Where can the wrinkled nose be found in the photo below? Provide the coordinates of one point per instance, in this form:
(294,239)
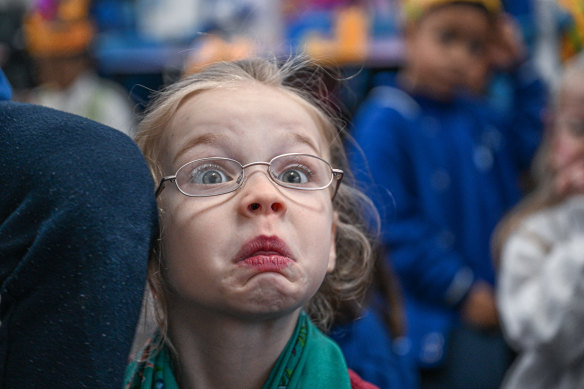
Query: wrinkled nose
(260,195)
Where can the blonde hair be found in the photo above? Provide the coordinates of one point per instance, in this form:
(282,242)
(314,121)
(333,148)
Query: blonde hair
(302,79)
(543,194)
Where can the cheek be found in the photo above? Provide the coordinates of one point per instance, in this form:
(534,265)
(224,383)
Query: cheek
(190,246)
(177,243)
(317,235)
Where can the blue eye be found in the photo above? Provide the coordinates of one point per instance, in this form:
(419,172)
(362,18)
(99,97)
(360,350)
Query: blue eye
(209,175)
(296,175)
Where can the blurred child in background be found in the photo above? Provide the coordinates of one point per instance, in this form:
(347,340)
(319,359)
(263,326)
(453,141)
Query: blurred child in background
(58,35)
(541,249)
(443,167)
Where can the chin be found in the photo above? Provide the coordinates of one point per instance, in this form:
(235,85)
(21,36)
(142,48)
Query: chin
(273,301)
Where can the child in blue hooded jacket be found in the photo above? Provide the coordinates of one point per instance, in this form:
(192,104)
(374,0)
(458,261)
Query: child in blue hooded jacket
(443,168)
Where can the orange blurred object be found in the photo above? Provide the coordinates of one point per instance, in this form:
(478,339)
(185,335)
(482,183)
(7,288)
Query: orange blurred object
(350,41)
(572,40)
(70,32)
(216,49)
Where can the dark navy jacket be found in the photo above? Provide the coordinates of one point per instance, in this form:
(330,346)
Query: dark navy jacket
(77,218)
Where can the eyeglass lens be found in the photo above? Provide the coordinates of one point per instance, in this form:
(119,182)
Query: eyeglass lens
(211,176)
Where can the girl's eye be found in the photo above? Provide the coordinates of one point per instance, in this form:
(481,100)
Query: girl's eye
(209,175)
(446,37)
(295,175)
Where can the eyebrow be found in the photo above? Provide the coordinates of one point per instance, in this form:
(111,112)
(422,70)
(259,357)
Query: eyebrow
(210,139)
(306,140)
(205,139)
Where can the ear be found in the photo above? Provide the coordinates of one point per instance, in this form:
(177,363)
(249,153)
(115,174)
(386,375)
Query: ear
(333,250)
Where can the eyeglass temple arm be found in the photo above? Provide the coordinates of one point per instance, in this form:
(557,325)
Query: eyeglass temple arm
(338,175)
(161,184)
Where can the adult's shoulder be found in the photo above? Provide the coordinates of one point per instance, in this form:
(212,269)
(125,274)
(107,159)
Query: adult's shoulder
(41,147)
(52,129)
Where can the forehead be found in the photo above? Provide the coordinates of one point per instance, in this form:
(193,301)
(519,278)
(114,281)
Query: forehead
(465,17)
(245,115)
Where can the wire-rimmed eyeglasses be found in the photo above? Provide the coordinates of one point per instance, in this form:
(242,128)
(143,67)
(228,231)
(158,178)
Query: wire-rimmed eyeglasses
(216,175)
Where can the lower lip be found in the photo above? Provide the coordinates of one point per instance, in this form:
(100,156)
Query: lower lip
(267,263)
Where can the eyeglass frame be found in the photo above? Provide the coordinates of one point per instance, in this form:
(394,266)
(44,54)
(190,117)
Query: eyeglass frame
(337,174)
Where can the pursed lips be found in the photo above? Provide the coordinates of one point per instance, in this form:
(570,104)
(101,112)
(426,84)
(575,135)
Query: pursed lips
(265,253)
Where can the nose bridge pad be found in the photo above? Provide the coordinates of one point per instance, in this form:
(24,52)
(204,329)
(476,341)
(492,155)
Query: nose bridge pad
(264,172)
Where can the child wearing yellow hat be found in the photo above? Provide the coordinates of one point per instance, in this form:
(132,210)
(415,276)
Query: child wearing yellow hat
(452,167)
(414,9)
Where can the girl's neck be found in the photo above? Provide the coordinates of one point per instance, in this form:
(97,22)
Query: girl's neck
(225,352)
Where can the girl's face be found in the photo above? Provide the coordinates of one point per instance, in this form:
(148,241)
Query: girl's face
(263,250)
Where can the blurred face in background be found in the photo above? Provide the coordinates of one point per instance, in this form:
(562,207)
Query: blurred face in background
(568,132)
(59,72)
(446,48)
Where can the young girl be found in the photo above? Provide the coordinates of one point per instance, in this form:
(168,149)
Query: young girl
(541,247)
(259,238)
